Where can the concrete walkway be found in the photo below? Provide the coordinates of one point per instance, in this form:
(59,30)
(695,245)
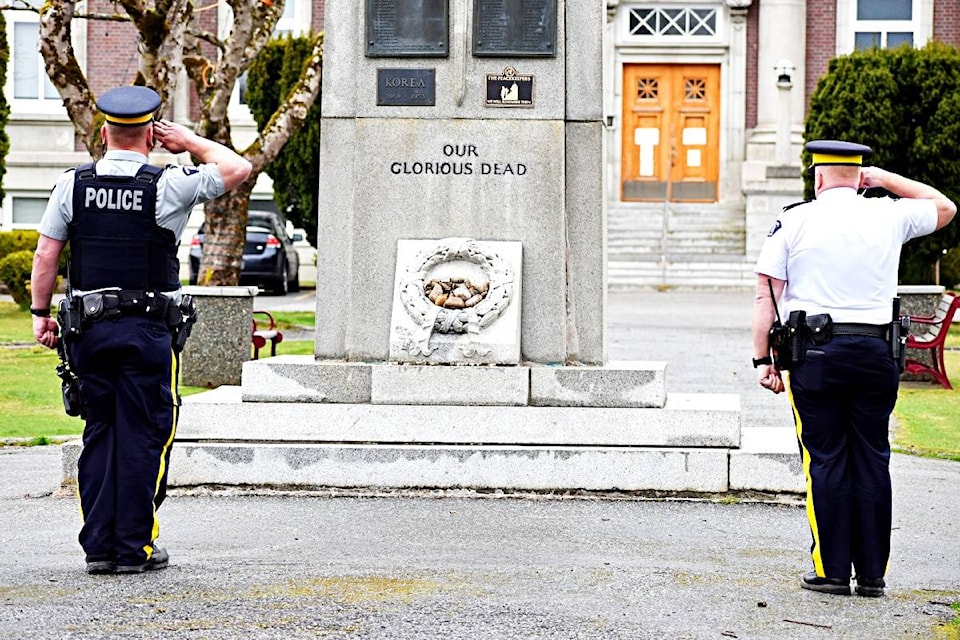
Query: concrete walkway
(458,565)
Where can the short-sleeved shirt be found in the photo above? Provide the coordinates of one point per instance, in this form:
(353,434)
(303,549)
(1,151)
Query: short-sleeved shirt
(839,254)
(179,190)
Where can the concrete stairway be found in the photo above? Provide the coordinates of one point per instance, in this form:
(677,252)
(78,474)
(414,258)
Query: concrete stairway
(679,245)
(297,422)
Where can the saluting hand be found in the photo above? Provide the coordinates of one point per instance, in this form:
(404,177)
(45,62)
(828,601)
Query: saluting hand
(172,136)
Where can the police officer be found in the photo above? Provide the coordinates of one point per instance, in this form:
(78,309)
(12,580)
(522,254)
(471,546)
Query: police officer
(124,219)
(832,264)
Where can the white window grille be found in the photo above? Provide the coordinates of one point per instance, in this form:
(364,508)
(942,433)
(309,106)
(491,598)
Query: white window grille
(885,24)
(673,22)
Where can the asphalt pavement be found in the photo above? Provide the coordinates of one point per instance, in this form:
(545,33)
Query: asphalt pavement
(405,565)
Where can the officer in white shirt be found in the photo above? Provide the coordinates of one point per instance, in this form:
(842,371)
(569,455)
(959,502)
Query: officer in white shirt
(832,264)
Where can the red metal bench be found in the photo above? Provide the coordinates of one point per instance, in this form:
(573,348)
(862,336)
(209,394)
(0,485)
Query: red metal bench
(261,335)
(932,337)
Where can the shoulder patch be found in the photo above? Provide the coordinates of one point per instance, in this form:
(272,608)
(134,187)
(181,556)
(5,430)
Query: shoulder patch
(796,204)
(189,171)
(776,227)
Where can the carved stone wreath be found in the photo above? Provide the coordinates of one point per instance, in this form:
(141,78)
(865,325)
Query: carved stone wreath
(429,317)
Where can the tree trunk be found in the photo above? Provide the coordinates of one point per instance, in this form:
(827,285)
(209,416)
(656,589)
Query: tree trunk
(225,237)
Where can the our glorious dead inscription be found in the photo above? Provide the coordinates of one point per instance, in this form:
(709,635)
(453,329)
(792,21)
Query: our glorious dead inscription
(458,160)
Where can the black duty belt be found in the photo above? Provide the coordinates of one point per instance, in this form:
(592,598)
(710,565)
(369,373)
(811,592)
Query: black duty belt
(858,329)
(114,303)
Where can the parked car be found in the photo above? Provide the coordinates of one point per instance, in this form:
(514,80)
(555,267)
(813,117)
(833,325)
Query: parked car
(269,257)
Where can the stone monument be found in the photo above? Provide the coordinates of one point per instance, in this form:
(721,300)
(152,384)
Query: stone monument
(461,157)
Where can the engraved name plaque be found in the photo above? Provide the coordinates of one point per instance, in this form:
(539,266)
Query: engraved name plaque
(406,87)
(515,28)
(407,28)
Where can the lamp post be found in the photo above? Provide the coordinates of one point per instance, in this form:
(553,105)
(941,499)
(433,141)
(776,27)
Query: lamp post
(784,70)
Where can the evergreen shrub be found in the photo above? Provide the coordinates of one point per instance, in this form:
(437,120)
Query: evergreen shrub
(15,269)
(294,171)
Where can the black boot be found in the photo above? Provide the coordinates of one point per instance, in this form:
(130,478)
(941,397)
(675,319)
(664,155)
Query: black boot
(870,587)
(837,586)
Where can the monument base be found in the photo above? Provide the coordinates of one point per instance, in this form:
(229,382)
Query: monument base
(297,422)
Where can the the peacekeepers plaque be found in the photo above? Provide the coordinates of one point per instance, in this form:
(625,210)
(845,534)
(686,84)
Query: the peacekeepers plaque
(407,28)
(515,28)
(509,89)
(406,87)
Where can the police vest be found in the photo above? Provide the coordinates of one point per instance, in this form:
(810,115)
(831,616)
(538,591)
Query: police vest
(115,240)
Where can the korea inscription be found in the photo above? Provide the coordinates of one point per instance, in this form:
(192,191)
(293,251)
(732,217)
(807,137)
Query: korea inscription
(406,87)
(407,28)
(514,28)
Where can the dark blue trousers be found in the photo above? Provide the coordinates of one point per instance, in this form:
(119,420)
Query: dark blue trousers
(842,397)
(128,378)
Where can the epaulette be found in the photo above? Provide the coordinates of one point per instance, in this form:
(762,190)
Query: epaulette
(796,204)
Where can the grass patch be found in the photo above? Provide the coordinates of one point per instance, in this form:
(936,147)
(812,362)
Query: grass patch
(928,416)
(31,407)
(16,327)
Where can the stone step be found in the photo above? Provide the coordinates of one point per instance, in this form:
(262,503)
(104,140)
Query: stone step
(686,420)
(683,271)
(767,461)
(302,379)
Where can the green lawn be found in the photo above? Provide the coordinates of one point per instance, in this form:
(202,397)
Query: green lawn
(30,405)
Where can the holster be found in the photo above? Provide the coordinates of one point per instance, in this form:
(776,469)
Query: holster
(899,331)
(797,337)
(181,319)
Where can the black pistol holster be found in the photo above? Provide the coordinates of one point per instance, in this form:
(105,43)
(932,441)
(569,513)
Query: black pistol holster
(73,404)
(899,331)
(181,319)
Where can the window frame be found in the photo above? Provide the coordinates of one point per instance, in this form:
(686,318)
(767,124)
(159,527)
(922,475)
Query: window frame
(47,106)
(920,25)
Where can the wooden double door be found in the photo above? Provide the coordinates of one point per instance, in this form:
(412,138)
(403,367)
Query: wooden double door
(671,132)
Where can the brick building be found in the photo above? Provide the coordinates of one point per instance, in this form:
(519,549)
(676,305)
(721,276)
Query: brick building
(705,104)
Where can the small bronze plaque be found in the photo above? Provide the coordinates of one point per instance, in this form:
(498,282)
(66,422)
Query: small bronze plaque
(406,87)
(515,28)
(509,89)
(407,28)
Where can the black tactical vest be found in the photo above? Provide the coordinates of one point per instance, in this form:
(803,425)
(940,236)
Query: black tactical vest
(115,240)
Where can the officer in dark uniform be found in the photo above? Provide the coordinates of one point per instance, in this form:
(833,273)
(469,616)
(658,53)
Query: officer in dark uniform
(832,264)
(124,219)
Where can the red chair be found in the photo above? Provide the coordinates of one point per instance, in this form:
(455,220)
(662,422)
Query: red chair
(932,337)
(260,336)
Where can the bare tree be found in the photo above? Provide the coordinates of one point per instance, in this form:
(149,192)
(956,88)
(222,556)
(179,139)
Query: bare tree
(171,40)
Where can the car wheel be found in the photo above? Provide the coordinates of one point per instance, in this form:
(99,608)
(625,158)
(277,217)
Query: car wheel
(281,285)
(294,283)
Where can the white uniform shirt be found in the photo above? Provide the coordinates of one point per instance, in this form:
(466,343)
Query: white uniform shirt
(179,190)
(839,254)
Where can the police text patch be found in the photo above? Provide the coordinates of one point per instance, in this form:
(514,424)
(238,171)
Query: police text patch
(776,227)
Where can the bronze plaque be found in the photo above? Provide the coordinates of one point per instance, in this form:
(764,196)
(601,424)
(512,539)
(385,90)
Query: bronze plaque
(515,28)
(509,89)
(406,87)
(407,28)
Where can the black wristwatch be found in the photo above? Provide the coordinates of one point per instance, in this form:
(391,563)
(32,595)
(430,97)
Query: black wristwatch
(759,361)
(40,313)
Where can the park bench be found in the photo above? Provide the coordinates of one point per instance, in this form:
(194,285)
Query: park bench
(932,337)
(266,331)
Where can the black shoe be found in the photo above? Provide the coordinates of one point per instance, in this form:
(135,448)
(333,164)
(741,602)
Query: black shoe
(157,561)
(870,587)
(837,586)
(100,564)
